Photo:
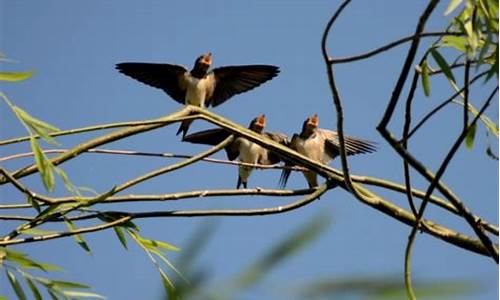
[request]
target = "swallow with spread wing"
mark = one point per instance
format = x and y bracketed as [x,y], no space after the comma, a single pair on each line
[199,87]
[322,145]
[245,150]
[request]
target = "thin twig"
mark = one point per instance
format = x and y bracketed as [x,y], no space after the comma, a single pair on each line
[156,154]
[444,103]
[58,235]
[390,46]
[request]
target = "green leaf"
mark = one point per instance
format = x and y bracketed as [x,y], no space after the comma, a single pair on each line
[78,238]
[34,203]
[68,284]
[53,295]
[22,260]
[457,42]
[469,138]
[452,6]
[425,78]
[34,289]
[32,121]
[15,285]
[44,165]
[154,245]
[67,183]
[442,64]
[40,127]
[15,76]
[121,236]
[168,285]
[279,252]
[80,294]
[3,298]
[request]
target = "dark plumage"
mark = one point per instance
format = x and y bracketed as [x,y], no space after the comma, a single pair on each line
[199,86]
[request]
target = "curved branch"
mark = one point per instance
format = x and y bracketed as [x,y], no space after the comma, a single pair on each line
[406,67]
[58,235]
[390,46]
[443,104]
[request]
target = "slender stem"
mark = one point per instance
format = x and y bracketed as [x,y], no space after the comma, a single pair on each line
[406,66]
[58,235]
[443,104]
[176,166]
[390,46]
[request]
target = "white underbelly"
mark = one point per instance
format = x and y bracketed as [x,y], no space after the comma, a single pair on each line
[249,153]
[196,92]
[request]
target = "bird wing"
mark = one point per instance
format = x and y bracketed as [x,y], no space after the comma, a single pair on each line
[233,80]
[167,77]
[213,137]
[278,137]
[285,174]
[353,146]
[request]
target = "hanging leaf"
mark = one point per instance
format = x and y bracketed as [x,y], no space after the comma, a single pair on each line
[457,42]
[425,78]
[80,294]
[452,6]
[121,236]
[78,238]
[442,64]
[43,164]
[34,289]
[15,285]
[469,138]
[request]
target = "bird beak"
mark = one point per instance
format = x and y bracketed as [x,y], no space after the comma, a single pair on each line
[207,59]
[314,121]
[261,121]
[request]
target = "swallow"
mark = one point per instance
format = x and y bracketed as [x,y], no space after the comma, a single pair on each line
[322,145]
[199,87]
[245,150]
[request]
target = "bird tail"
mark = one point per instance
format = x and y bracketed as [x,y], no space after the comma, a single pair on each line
[184,127]
[241,182]
[285,174]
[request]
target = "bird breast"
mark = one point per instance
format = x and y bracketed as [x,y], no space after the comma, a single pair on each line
[314,148]
[250,152]
[196,90]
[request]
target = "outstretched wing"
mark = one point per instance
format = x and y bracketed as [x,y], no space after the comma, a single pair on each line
[169,78]
[353,146]
[285,174]
[213,137]
[233,80]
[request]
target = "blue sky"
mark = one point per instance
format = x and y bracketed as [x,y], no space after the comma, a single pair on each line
[73,47]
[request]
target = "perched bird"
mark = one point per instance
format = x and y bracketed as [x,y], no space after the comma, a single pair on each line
[245,150]
[323,146]
[199,87]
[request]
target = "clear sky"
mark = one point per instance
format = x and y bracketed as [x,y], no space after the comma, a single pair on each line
[73,47]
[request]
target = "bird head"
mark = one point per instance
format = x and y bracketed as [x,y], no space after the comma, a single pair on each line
[258,124]
[203,62]
[310,125]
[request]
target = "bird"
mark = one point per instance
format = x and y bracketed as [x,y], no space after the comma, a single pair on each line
[245,150]
[323,146]
[199,86]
